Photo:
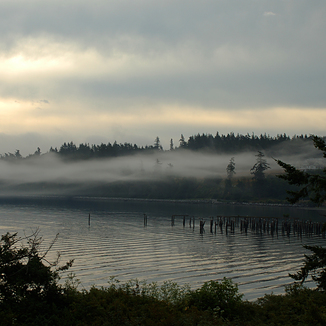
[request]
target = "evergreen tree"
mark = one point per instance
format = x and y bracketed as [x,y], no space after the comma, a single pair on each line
[182,141]
[312,186]
[157,143]
[37,152]
[261,165]
[230,169]
[171,145]
[17,154]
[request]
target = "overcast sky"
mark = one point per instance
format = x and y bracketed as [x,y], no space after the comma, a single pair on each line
[130,70]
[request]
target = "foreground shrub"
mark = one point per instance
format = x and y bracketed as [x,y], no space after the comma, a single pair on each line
[222,297]
[25,273]
[299,306]
[169,291]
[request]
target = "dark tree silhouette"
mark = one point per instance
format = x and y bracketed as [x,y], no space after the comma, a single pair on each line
[171,145]
[230,169]
[261,165]
[157,143]
[230,143]
[17,154]
[182,141]
[312,186]
[25,272]
[314,265]
[37,152]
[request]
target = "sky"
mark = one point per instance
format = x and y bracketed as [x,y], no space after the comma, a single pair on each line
[131,70]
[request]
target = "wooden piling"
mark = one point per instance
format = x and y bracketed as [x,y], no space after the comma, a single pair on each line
[258,225]
[201,226]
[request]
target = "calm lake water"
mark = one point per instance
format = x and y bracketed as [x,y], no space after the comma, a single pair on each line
[118,244]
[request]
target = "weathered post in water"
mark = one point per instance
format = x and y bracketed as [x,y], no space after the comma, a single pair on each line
[201,226]
[89,219]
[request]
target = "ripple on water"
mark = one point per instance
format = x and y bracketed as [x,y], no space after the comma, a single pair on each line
[118,244]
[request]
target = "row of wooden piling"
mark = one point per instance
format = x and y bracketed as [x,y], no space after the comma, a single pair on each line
[270,225]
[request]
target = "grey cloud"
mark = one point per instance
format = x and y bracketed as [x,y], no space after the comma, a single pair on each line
[282,63]
[213,21]
[255,89]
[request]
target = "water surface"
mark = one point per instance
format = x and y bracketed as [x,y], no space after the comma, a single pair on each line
[116,243]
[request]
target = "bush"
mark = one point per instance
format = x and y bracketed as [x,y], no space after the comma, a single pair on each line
[28,282]
[222,298]
[299,306]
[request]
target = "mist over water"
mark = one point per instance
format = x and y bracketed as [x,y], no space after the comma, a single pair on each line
[50,168]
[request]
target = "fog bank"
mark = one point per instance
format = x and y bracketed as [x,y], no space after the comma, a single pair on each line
[155,166]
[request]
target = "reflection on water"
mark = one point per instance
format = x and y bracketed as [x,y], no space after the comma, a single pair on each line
[117,243]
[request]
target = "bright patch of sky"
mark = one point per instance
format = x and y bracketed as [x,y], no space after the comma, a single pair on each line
[100,71]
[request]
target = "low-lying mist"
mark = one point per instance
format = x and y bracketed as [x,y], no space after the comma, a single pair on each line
[159,165]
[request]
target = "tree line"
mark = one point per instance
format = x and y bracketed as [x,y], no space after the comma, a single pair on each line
[219,144]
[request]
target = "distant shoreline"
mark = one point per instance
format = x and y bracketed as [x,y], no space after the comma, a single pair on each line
[185,201]
[199,201]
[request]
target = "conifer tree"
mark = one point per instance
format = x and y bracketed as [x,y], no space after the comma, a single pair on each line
[312,186]
[261,165]
[230,169]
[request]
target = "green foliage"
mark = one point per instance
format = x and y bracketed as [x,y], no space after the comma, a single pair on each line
[28,281]
[222,297]
[134,303]
[230,169]
[23,273]
[311,185]
[71,283]
[299,306]
[259,168]
[314,265]
[169,291]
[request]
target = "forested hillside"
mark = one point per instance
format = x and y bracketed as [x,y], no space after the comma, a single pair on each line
[221,167]
[219,144]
